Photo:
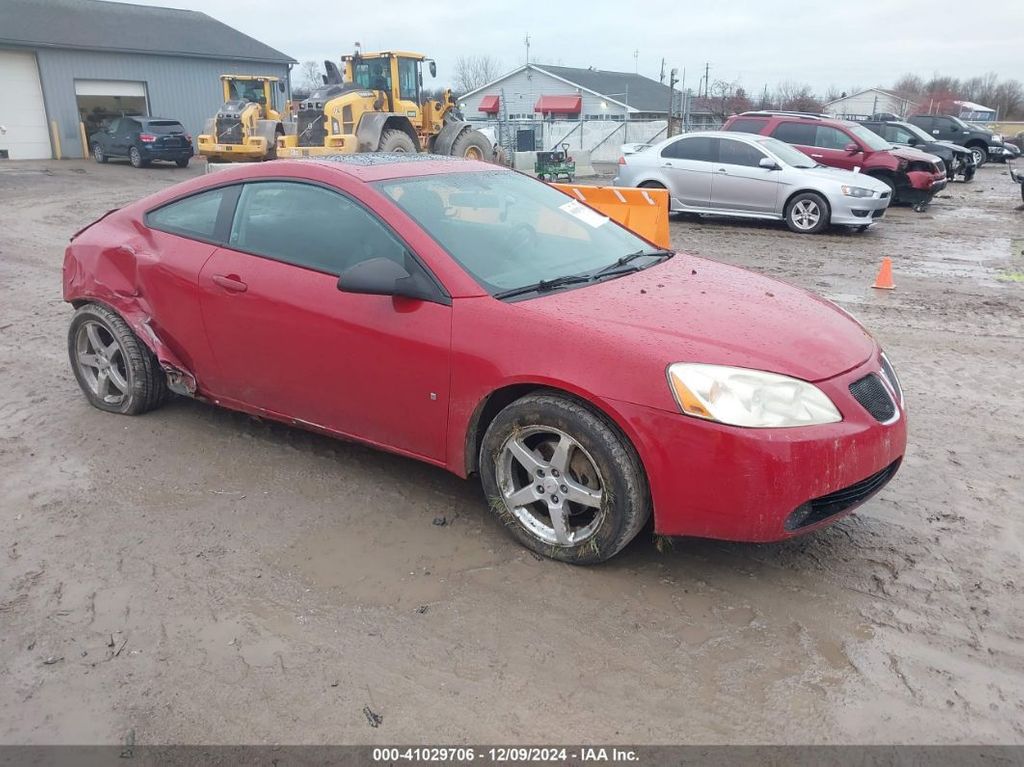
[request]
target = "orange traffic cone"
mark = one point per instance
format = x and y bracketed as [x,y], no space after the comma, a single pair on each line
[884,279]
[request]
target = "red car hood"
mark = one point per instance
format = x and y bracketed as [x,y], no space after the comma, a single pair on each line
[912,155]
[689,309]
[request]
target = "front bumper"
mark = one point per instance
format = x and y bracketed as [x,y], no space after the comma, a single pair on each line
[298,152]
[256,150]
[759,485]
[857,211]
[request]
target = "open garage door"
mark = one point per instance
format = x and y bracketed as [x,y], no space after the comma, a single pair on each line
[24,134]
[100,101]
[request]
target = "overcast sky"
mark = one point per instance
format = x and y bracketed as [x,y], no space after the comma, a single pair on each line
[842,44]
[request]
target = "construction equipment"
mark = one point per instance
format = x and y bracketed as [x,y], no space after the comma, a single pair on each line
[555,166]
[248,125]
[376,106]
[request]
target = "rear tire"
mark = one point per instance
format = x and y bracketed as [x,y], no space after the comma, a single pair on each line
[183,162]
[808,213]
[135,158]
[473,145]
[394,140]
[546,457]
[116,371]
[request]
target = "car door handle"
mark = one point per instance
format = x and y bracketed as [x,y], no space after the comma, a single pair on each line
[722,170]
[230,282]
[668,165]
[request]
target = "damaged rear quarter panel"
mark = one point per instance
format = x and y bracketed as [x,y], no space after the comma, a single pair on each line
[156,296]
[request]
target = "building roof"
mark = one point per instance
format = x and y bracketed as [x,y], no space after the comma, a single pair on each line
[644,94]
[97,25]
[884,92]
[972,106]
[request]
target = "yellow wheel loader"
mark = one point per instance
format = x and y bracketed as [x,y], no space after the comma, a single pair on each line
[376,106]
[248,125]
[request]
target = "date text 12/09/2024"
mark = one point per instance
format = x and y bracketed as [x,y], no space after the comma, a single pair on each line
[502,754]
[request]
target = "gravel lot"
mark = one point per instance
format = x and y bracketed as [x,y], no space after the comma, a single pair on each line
[197,576]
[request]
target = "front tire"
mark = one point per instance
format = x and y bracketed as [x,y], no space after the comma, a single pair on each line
[980,155]
[563,480]
[116,371]
[98,154]
[808,213]
[394,140]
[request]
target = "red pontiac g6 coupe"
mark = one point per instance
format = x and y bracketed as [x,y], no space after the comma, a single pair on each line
[477,319]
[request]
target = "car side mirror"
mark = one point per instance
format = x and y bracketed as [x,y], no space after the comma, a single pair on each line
[384,277]
[852,148]
[912,141]
[769,164]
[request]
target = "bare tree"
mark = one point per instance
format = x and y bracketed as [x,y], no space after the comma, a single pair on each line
[309,75]
[471,72]
[726,98]
[796,97]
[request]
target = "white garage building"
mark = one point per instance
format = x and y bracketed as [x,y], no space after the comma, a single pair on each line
[66,62]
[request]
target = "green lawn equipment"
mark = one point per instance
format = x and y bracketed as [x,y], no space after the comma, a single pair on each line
[555,166]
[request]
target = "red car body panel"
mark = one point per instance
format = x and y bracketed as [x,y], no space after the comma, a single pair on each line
[412,376]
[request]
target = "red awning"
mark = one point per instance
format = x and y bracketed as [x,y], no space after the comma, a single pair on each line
[489,104]
[569,105]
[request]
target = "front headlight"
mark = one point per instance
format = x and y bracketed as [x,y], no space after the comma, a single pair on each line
[857,191]
[751,398]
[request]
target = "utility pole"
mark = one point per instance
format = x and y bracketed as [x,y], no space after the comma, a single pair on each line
[636,61]
[671,100]
[661,77]
[707,74]
[527,42]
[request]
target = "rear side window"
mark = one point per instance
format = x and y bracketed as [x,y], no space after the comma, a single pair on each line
[795,133]
[309,226]
[748,125]
[194,216]
[738,153]
[701,148]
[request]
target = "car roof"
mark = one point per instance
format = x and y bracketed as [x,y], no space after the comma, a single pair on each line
[377,166]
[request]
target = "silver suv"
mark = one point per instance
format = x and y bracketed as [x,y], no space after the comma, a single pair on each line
[750,176]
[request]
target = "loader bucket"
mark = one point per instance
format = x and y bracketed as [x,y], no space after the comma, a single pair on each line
[644,211]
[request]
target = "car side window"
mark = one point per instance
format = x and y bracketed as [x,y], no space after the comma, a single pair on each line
[194,216]
[114,126]
[828,137]
[739,153]
[309,226]
[795,133]
[748,124]
[900,135]
[700,148]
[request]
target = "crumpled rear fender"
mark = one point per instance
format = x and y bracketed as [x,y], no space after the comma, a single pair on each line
[116,277]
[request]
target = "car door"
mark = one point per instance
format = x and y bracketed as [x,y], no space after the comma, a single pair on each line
[831,148]
[123,137]
[288,341]
[108,137]
[739,183]
[945,129]
[687,166]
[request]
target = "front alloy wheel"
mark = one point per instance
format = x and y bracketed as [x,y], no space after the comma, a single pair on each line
[563,479]
[807,213]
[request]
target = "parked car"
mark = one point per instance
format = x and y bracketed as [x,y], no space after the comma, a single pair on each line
[983,142]
[143,140]
[913,177]
[959,160]
[484,322]
[751,176]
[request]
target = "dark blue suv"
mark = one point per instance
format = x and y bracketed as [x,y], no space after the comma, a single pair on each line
[142,140]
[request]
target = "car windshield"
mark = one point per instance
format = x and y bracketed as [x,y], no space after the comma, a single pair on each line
[911,128]
[785,152]
[510,232]
[873,141]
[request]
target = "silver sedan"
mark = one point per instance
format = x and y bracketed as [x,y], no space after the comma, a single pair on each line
[732,174]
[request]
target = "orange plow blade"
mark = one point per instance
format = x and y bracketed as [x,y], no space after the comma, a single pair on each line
[644,211]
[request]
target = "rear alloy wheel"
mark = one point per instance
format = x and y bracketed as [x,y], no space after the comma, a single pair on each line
[980,155]
[807,213]
[563,481]
[135,157]
[117,372]
[98,154]
[473,145]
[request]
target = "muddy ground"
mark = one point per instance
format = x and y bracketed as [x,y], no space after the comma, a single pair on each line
[196,576]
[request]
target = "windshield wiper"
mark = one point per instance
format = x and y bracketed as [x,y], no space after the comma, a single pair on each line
[545,285]
[616,268]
